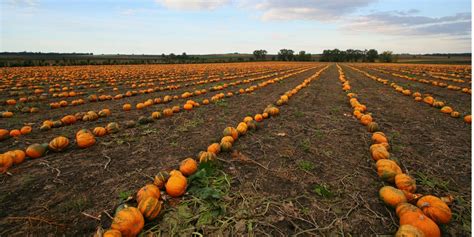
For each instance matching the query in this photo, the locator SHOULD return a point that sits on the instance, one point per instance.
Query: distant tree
(260, 54)
(386, 57)
(371, 55)
(286, 55)
(303, 56)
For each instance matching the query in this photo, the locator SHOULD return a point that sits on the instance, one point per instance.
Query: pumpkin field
(236, 149)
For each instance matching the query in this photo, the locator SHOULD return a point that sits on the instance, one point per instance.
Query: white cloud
(193, 4)
(23, 3)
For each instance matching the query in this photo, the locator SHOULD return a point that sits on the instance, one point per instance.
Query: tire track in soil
(135, 153)
(425, 141)
(318, 130)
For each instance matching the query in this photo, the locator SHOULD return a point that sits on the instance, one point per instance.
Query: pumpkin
(99, 131)
(435, 208)
(391, 196)
(387, 170)
(379, 137)
(409, 231)
(366, 119)
(379, 145)
(429, 100)
(112, 233)
(149, 190)
(405, 207)
(168, 112)
(127, 107)
(176, 184)
(380, 153)
(58, 143)
(252, 125)
(230, 131)
(15, 133)
(242, 128)
(140, 106)
(467, 119)
(247, 119)
(175, 109)
(129, 221)
(160, 179)
(36, 150)
(412, 197)
(405, 182)
(156, 115)
(7, 114)
(418, 98)
(421, 222)
(6, 161)
(45, 127)
(372, 127)
(214, 148)
(205, 156)
(150, 207)
(258, 117)
(104, 113)
(227, 139)
(68, 119)
(18, 156)
(205, 102)
(85, 139)
(226, 146)
(272, 111)
(455, 114)
(188, 106)
(112, 127)
(4, 134)
(25, 130)
(446, 110)
(188, 166)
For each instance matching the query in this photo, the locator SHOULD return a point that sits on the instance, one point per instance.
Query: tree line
(357, 55)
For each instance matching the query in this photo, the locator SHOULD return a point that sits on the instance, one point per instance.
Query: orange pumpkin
(140, 106)
(149, 190)
(168, 112)
(205, 156)
(380, 153)
(409, 231)
(467, 119)
(188, 166)
(176, 184)
(372, 127)
(188, 106)
(112, 233)
(150, 207)
(214, 148)
(112, 127)
(379, 137)
(392, 196)
(4, 134)
(160, 179)
(99, 131)
(25, 130)
(405, 207)
(226, 145)
(387, 170)
(58, 143)
(405, 182)
(18, 156)
(446, 110)
(68, 119)
(127, 107)
(366, 119)
(85, 139)
(6, 162)
(422, 222)
(230, 131)
(242, 128)
(258, 117)
(227, 139)
(15, 133)
(129, 221)
(36, 150)
(435, 208)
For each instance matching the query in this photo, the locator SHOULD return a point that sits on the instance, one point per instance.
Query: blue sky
(225, 26)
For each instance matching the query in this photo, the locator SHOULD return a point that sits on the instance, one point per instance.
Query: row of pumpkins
(432, 82)
(104, 97)
(426, 98)
(129, 220)
(420, 220)
(424, 71)
(86, 138)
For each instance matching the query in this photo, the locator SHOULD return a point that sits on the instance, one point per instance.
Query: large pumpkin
(409, 231)
(36, 150)
(422, 222)
(435, 208)
(176, 184)
(112, 233)
(150, 207)
(366, 119)
(68, 119)
(405, 182)
(392, 196)
(242, 128)
(380, 152)
(188, 166)
(99, 131)
(405, 207)
(18, 156)
(149, 190)
(85, 139)
(6, 161)
(379, 137)
(214, 148)
(387, 170)
(58, 143)
(129, 221)
(4, 134)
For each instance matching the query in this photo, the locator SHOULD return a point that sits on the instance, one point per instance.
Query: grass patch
(322, 190)
(123, 195)
(77, 204)
(305, 144)
(306, 165)
(431, 182)
(299, 114)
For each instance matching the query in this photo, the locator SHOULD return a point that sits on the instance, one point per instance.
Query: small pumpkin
(226, 146)
(156, 115)
(242, 128)
(214, 148)
(18, 156)
(4, 134)
(405, 182)
(258, 118)
(68, 119)
(409, 231)
(366, 119)
(112, 127)
(422, 222)
(435, 208)
(127, 107)
(391, 196)
(372, 127)
(168, 112)
(230, 131)
(467, 119)
(25, 130)
(205, 156)
(149, 190)
(160, 179)
(406, 207)
(99, 131)
(379, 137)
(188, 166)
(150, 207)
(85, 139)
(58, 143)
(112, 233)
(129, 221)
(380, 152)
(176, 184)
(227, 139)
(387, 170)
(15, 133)
(446, 110)
(36, 150)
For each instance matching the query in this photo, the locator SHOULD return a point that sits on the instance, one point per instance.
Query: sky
(228, 26)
